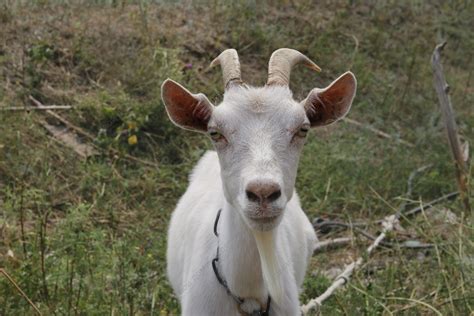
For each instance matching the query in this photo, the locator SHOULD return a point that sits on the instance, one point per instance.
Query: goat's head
(258, 133)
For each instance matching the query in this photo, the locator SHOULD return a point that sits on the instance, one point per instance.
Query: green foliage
(89, 236)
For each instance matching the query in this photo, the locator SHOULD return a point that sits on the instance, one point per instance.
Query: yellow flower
(132, 140)
(131, 125)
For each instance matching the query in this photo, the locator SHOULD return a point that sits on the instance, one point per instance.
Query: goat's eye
(216, 136)
(303, 131)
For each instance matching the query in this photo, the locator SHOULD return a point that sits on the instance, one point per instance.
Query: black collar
(222, 281)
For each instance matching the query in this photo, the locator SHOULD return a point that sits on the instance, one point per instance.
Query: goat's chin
(264, 224)
(271, 268)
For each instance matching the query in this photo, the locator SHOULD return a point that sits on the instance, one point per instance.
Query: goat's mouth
(264, 219)
(264, 222)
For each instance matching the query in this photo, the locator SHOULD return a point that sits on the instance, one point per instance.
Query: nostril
(252, 196)
(275, 195)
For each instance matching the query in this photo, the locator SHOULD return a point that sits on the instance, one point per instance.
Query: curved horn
(229, 61)
(282, 61)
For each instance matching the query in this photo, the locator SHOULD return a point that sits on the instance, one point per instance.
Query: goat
(239, 242)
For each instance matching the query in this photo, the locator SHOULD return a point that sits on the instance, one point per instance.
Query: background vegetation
(88, 236)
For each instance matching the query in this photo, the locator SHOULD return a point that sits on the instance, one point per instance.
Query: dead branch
(442, 89)
(90, 136)
(34, 108)
(377, 132)
(331, 243)
(10, 279)
(69, 139)
(430, 204)
(323, 225)
(343, 278)
(356, 47)
(63, 120)
(388, 223)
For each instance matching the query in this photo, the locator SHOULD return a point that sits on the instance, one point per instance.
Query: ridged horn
(282, 61)
(229, 61)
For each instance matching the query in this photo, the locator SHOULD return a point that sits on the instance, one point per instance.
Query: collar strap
(240, 301)
(217, 222)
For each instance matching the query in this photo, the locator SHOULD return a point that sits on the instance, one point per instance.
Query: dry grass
(89, 237)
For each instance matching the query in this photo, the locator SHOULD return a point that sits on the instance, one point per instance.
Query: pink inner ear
(327, 106)
(184, 108)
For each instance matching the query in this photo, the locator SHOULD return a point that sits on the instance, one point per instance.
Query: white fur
(192, 246)
(256, 258)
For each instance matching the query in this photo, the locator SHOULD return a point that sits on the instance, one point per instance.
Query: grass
(88, 236)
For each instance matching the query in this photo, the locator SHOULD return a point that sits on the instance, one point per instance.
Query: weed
(89, 236)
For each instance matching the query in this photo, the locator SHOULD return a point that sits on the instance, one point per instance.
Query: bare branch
(331, 243)
(90, 136)
(34, 108)
(10, 279)
(430, 204)
(388, 223)
(442, 89)
(343, 278)
(69, 139)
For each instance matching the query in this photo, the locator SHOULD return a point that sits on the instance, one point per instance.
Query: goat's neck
(238, 256)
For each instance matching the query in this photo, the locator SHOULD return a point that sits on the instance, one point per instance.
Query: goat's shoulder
(204, 190)
(207, 170)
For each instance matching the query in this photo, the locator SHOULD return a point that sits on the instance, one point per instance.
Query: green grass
(88, 236)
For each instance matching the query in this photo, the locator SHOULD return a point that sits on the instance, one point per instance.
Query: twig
(63, 120)
(377, 132)
(331, 243)
(34, 108)
(409, 192)
(430, 204)
(388, 223)
(64, 136)
(10, 279)
(320, 224)
(356, 47)
(442, 89)
(90, 136)
(344, 277)
(404, 244)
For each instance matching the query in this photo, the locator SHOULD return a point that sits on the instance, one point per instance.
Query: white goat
(255, 262)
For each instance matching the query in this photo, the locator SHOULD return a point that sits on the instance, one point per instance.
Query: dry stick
(89, 135)
(68, 138)
(388, 224)
(331, 243)
(10, 279)
(328, 243)
(62, 120)
(343, 278)
(442, 89)
(34, 108)
(325, 244)
(430, 204)
(376, 131)
(319, 225)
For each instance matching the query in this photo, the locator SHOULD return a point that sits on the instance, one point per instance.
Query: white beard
(271, 268)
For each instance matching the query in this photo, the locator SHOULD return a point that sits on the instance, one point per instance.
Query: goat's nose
(263, 191)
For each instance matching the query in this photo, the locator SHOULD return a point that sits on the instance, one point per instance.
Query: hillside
(83, 217)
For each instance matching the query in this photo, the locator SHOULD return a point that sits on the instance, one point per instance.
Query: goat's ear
(187, 110)
(325, 106)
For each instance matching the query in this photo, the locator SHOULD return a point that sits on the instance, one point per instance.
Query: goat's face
(258, 134)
